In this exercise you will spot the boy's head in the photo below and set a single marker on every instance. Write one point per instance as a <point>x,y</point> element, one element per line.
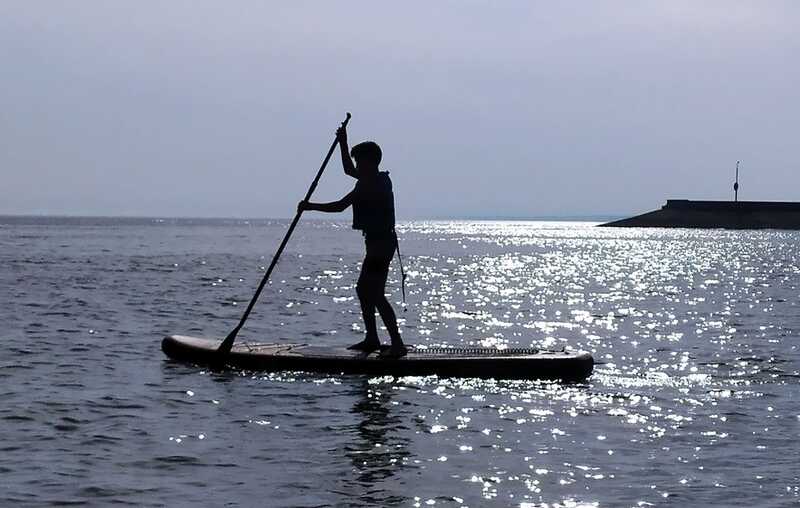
<point>367,154</point>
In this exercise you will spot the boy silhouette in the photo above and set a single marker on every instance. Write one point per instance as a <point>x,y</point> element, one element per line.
<point>372,200</point>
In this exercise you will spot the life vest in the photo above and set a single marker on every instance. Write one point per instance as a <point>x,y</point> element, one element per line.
<point>373,204</point>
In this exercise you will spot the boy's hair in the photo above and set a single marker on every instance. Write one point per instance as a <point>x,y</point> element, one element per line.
<point>367,151</point>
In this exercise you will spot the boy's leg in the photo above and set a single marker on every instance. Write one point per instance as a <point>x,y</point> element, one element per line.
<point>389,319</point>
<point>385,309</point>
<point>367,311</point>
<point>371,341</point>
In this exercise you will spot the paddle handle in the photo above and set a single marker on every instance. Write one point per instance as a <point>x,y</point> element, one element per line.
<point>227,344</point>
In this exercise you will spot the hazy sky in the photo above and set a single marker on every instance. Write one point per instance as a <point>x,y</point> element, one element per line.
<point>483,108</point>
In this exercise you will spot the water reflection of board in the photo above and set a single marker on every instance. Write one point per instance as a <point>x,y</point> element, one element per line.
<point>421,361</point>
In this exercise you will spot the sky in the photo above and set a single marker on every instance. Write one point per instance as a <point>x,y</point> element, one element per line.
<point>483,108</point>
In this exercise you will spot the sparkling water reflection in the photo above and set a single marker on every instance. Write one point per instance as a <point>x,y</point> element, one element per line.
<point>693,399</point>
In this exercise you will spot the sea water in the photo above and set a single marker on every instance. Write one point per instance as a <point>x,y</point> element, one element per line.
<point>693,402</point>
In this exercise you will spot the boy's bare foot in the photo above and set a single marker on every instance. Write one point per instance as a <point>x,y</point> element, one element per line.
<point>395,351</point>
<point>366,346</point>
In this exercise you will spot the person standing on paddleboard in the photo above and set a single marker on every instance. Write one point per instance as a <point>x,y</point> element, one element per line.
<point>372,200</point>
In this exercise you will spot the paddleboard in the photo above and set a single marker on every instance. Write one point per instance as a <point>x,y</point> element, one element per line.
<point>511,363</point>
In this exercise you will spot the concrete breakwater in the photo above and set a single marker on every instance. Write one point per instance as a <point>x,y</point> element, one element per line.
<point>684,213</point>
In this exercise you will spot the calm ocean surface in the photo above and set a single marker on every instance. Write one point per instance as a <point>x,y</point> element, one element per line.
<point>694,401</point>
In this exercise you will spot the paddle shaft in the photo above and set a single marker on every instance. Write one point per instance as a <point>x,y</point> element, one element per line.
<point>227,344</point>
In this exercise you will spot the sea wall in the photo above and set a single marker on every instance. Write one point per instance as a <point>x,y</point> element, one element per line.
<point>683,213</point>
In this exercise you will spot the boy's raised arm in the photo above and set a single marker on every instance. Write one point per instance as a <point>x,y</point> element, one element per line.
<point>347,162</point>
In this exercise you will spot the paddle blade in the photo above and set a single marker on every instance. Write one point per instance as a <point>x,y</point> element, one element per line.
<point>227,344</point>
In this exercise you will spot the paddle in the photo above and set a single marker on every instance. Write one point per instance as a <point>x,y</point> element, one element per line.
<point>227,344</point>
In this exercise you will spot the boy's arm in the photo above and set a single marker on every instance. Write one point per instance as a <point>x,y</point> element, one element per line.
<point>347,162</point>
<point>332,207</point>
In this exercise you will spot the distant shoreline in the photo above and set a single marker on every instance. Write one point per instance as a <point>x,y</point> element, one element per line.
<point>685,213</point>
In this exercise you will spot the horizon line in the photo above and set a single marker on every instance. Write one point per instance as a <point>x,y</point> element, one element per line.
<point>576,217</point>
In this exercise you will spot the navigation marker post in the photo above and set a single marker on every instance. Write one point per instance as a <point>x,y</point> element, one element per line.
<point>736,184</point>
